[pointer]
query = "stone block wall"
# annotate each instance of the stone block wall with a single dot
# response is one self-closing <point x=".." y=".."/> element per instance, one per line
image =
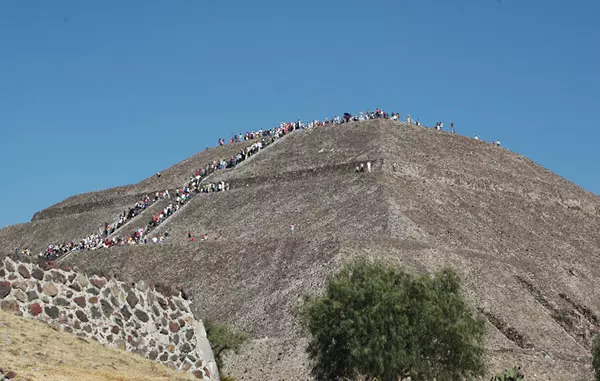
<point x="133" y="317"/>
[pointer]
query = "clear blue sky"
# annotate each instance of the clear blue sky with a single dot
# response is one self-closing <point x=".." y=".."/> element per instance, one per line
<point x="95" y="94"/>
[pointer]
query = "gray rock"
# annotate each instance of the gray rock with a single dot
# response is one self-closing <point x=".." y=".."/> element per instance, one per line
<point x="106" y="308"/>
<point x="93" y="291"/>
<point x="20" y="295"/>
<point x="32" y="295"/>
<point x="61" y="302"/>
<point x="153" y="355"/>
<point x="52" y="312"/>
<point x="81" y="316"/>
<point x="58" y="276"/>
<point x="37" y="273"/>
<point x="125" y="312"/>
<point x="189" y="334"/>
<point x="132" y="299"/>
<point x="95" y="313"/>
<point x="141" y="315"/>
<point x="185" y="348"/>
<point x="9" y="265"/>
<point x="23" y="271"/>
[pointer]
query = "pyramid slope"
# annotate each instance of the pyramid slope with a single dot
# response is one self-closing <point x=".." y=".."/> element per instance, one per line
<point x="78" y="216"/>
<point x="524" y="239"/>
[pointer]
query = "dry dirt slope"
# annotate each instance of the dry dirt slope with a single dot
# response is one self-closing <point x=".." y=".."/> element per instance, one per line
<point x="35" y="351"/>
<point x="525" y="240"/>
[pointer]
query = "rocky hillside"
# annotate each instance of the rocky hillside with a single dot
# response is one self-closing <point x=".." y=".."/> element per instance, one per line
<point x="525" y="240"/>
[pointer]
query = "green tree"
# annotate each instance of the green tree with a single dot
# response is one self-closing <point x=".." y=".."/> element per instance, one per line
<point x="375" y="321"/>
<point x="222" y="339"/>
<point x="596" y="356"/>
<point x="512" y="374"/>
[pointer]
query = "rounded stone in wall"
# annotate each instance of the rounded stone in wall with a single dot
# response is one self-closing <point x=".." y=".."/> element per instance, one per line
<point x="141" y="315"/>
<point x="20" y="295"/>
<point x="50" y="289"/>
<point x="23" y="271"/>
<point x="37" y="273"/>
<point x="81" y="316"/>
<point x="52" y="312"/>
<point x="32" y="295"/>
<point x="80" y="301"/>
<point x="5" y="288"/>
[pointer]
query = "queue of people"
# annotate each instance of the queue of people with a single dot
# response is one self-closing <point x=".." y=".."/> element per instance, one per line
<point x="195" y="185"/>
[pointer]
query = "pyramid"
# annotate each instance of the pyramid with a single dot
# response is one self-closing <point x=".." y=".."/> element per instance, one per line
<point x="524" y="240"/>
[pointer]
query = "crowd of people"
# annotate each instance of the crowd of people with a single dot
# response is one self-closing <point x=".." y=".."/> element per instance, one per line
<point x="105" y="237"/>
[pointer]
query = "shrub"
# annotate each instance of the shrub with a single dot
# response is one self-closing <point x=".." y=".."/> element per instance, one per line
<point x="512" y="374"/>
<point x="382" y="323"/>
<point x="223" y="339"/>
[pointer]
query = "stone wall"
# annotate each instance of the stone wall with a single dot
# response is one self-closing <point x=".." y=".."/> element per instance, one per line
<point x="133" y="317"/>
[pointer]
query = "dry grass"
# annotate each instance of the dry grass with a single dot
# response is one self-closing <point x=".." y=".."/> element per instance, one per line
<point x="35" y="351"/>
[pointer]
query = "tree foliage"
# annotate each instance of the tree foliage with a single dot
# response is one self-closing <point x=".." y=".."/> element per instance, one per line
<point x="375" y="321"/>
<point x="223" y="338"/>
<point x="512" y="374"/>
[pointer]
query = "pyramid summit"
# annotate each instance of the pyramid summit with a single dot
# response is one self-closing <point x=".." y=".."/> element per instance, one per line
<point x="524" y="240"/>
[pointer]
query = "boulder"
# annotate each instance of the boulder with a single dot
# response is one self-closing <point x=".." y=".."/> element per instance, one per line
<point x="174" y="327"/>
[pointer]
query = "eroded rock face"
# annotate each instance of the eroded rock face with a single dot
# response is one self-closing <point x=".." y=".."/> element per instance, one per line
<point x="111" y="312"/>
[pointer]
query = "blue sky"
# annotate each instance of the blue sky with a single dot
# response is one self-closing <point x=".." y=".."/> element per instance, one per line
<point x="100" y="94"/>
